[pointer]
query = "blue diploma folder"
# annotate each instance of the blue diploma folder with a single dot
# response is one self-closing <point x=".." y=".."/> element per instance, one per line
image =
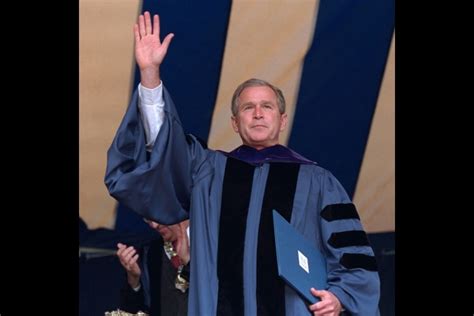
<point x="300" y="264"/>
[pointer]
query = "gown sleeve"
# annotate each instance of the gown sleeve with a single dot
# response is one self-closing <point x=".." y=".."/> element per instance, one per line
<point x="352" y="269"/>
<point x="157" y="184"/>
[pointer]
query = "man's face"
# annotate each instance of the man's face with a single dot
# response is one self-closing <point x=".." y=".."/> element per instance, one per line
<point x="258" y="120"/>
<point x="168" y="232"/>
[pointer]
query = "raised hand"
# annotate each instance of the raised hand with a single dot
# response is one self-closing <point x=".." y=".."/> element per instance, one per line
<point x="128" y="259"/>
<point x="149" y="50"/>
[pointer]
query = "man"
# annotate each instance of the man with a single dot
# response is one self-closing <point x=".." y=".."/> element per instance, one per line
<point x="158" y="285"/>
<point x="229" y="198"/>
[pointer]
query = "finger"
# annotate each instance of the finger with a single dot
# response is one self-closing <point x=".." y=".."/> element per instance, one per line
<point x="325" y="310"/>
<point x="126" y="252"/>
<point x="147" y="23"/>
<point x="167" y="41"/>
<point x="121" y="246"/>
<point x="122" y="261"/>
<point x="121" y="249"/>
<point x="317" y="293"/>
<point x="134" y="259"/>
<point x="316" y="307"/>
<point x="137" y="33"/>
<point x="183" y="232"/>
<point x="156" y="26"/>
<point x="130" y="254"/>
<point x="127" y="260"/>
<point x="120" y="255"/>
<point x="178" y="245"/>
<point x="141" y="25"/>
<point x="322" y="307"/>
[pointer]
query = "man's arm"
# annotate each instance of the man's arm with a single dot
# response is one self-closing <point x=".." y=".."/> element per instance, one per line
<point x="128" y="259"/>
<point x="149" y="54"/>
<point x="153" y="176"/>
<point x="352" y="272"/>
<point x="151" y="106"/>
<point x="132" y="297"/>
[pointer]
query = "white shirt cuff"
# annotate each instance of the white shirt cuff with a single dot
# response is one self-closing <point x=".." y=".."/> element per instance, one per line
<point x="136" y="289"/>
<point x="151" y="105"/>
<point x="151" y="97"/>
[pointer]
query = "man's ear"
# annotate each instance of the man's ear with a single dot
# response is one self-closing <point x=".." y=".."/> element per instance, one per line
<point x="284" y="122"/>
<point x="235" y="125"/>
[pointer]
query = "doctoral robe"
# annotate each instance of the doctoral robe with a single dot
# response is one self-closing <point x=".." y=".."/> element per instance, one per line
<point x="229" y="198"/>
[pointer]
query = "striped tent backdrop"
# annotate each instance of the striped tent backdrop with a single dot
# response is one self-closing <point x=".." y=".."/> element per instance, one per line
<point x="333" y="59"/>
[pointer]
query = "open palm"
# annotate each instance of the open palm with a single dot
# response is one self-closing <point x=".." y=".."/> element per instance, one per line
<point x="149" y="50"/>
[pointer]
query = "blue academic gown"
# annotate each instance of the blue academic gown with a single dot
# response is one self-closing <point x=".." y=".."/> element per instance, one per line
<point x="228" y="198"/>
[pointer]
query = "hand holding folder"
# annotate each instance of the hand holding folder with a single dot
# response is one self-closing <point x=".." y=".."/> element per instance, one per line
<point x="299" y="263"/>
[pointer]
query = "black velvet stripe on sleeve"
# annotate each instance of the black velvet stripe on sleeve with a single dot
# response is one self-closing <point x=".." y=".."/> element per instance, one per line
<point x="348" y="239"/>
<point x="279" y="194"/>
<point x="233" y="218"/>
<point x="358" y="260"/>
<point x="333" y="212"/>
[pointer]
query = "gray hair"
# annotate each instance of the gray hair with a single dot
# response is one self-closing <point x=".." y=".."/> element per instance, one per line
<point x="257" y="83"/>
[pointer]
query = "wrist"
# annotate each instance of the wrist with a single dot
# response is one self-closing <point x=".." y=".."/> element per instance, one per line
<point x="150" y="77"/>
<point x="133" y="281"/>
<point x="137" y="288"/>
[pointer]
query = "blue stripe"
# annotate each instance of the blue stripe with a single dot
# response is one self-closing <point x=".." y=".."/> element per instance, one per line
<point x="341" y="78"/>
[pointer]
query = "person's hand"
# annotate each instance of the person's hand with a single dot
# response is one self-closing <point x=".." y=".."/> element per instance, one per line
<point x="149" y="50"/>
<point x="128" y="259"/>
<point x="328" y="306"/>
<point x="177" y="235"/>
<point x="182" y="242"/>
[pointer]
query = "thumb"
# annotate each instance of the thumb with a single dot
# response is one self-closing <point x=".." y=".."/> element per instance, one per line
<point x="167" y="41"/>
<point x="318" y="293"/>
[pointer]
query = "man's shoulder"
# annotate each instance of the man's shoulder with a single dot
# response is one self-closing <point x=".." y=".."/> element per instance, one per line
<point x="191" y="137"/>
<point x="294" y="156"/>
<point x="315" y="169"/>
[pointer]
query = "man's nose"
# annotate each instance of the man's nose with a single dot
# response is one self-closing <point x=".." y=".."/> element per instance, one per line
<point x="258" y="113"/>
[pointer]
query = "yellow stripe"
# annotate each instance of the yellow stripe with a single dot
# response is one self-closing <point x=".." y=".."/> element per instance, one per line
<point x="375" y="191"/>
<point x="266" y="40"/>
<point x="105" y="78"/>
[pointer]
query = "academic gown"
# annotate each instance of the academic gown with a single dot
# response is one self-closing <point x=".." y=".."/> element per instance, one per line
<point x="229" y="198"/>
